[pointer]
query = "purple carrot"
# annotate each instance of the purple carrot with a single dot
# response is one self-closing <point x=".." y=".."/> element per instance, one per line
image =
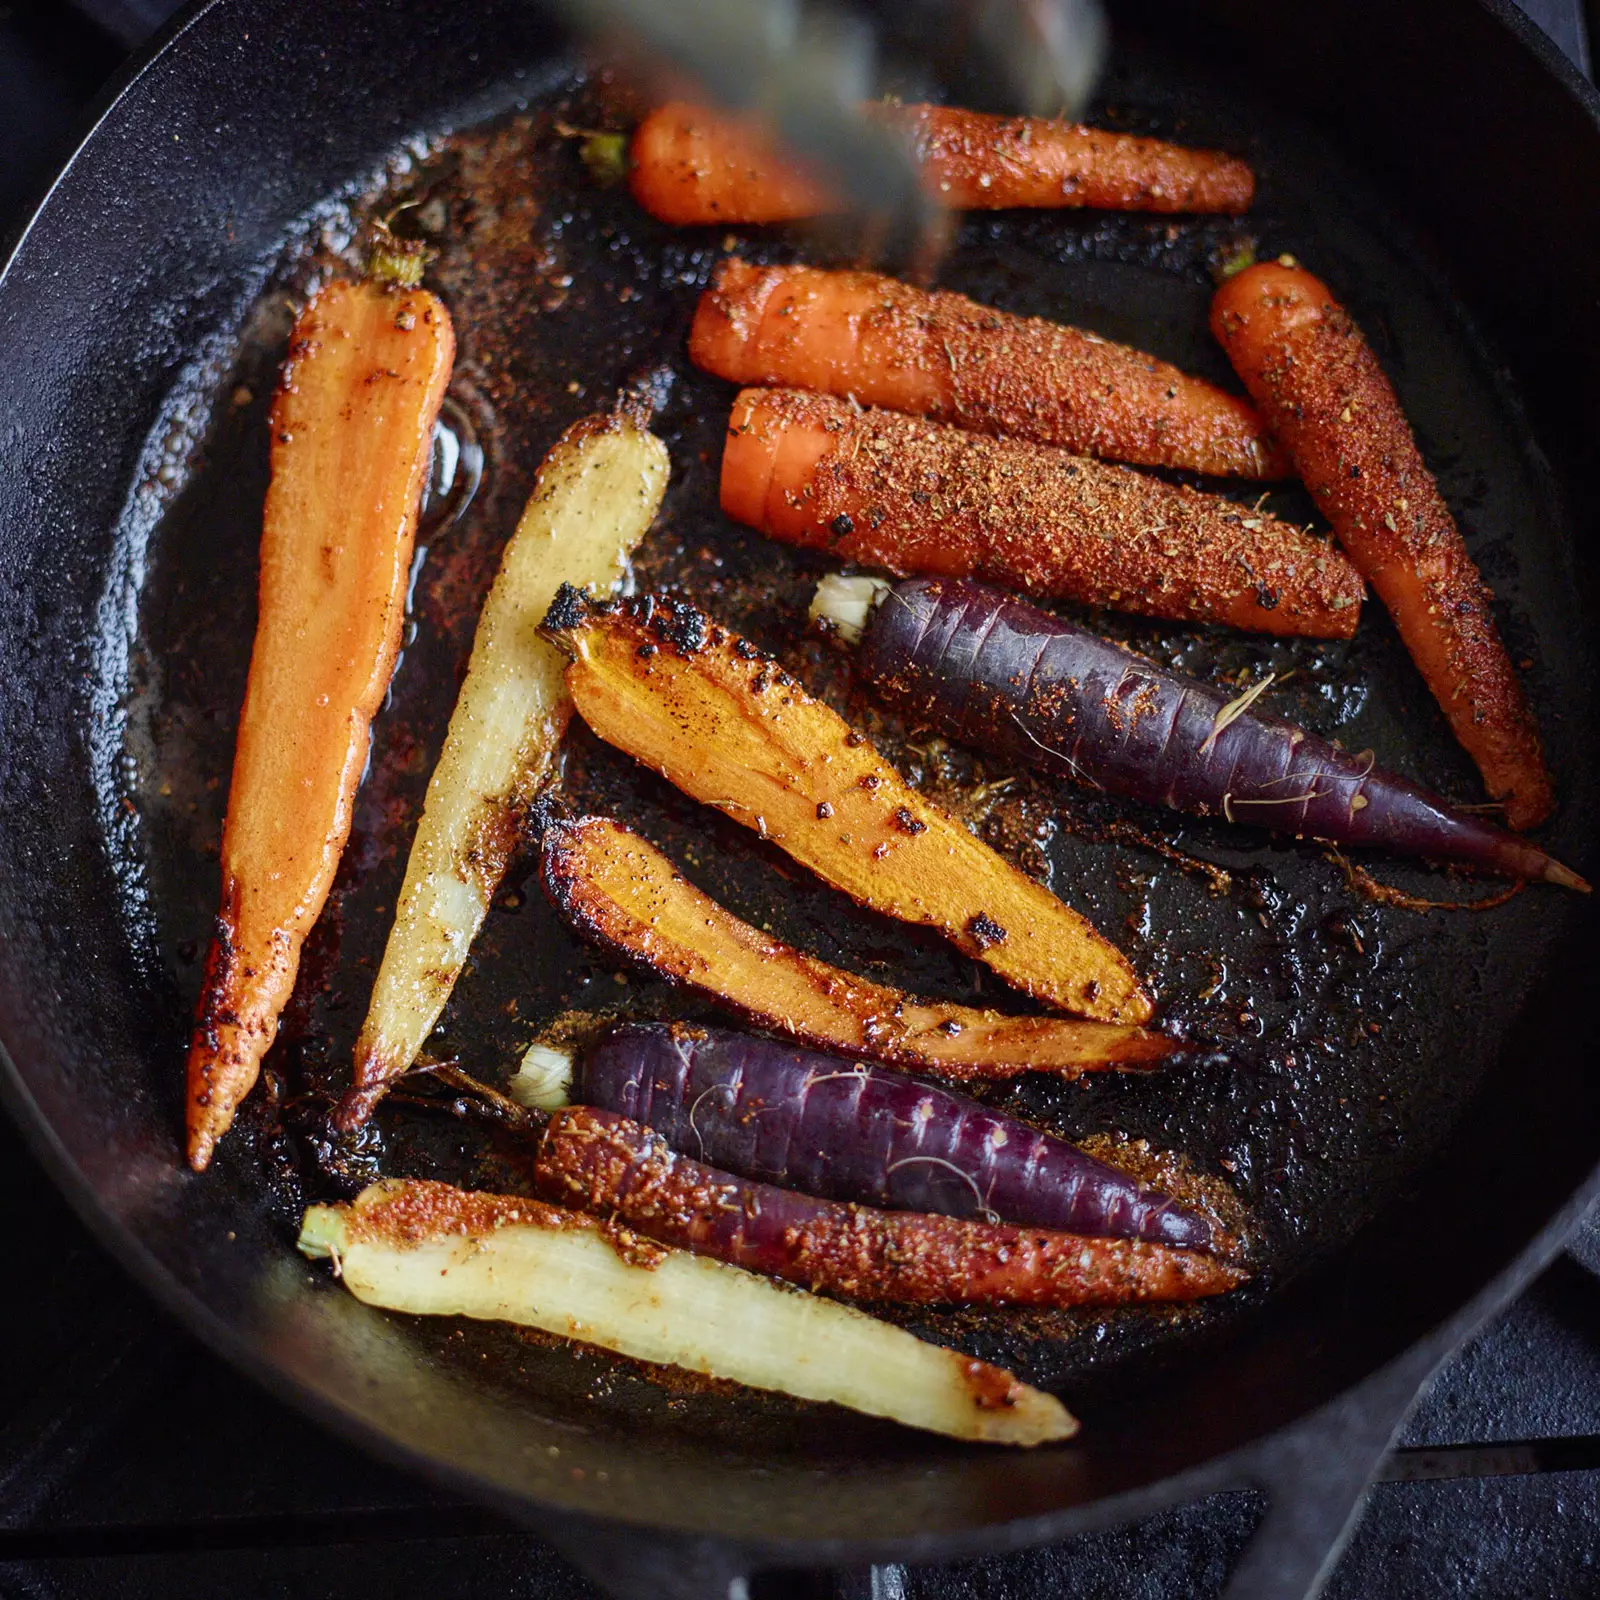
<point x="848" y="1131"/>
<point x="993" y="671"/>
<point x="618" y="1169"/>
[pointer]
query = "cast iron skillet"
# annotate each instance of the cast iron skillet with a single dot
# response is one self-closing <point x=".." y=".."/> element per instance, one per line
<point x="134" y="274"/>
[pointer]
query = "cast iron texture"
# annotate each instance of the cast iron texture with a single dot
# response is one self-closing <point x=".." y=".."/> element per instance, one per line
<point x="129" y="289"/>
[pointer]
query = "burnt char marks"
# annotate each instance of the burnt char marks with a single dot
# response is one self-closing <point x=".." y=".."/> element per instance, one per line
<point x="666" y="618"/>
<point x="676" y="622"/>
<point x="568" y="611"/>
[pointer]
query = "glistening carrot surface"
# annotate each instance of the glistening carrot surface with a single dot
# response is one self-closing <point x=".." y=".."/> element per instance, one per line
<point x="1321" y="388"/>
<point x="917" y="497"/>
<point x="690" y="165"/>
<point x="617" y="1169"/>
<point x="713" y="715"/>
<point x="619" y="890"/>
<point x="845" y="1130"/>
<point x="988" y="669"/>
<point x="941" y="355"/>
<point x="352" y="428"/>
<point x="429" y="1249"/>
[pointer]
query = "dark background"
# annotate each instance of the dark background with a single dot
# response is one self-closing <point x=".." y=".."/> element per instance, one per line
<point x="134" y="1463"/>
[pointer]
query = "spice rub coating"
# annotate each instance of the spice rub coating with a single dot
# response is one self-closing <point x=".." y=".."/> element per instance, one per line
<point x="616" y="1168"/>
<point x="844" y="1130"/>
<point x="406" y="1212"/>
<point x="941" y="355"/>
<point x="974" y="160"/>
<point x="1315" y="377"/>
<point x="690" y="165"/>
<point x="914" y="496"/>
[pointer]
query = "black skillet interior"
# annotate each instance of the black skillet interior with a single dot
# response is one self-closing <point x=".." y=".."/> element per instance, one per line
<point x="1356" y="1035"/>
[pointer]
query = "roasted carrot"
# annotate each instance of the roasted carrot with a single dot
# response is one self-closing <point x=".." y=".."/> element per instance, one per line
<point x="593" y="498"/>
<point x="690" y="165"/>
<point x="687" y="166"/>
<point x="620" y="891"/>
<point x="917" y="497"/>
<point x="352" y="428"/>
<point x="979" y="162"/>
<point x="941" y="355"/>
<point x="608" y="1165"/>
<point x="1319" y="384"/>
<point x="715" y="716"/>
<point x="848" y="1131"/>
<point x="983" y="667"/>
<point x="426" y="1248"/>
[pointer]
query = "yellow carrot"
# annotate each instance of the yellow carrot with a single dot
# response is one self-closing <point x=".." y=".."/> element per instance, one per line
<point x="596" y="494"/>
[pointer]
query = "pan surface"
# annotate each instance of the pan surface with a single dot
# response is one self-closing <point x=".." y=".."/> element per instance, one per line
<point x="1395" y="1097"/>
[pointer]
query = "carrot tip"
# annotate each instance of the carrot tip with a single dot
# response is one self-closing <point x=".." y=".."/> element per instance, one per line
<point x="357" y="1105"/>
<point x="1554" y="872"/>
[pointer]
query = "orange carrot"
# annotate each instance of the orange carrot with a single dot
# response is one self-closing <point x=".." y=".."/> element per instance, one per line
<point x="691" y="165"/>
<point x="914" y="497"/>
<point x="352" y="428"/>
<point x="1321" y="388"/>
<point x="614" y="1168"/>
<point x="944" y="356"/>
<point x="976" y="162"/>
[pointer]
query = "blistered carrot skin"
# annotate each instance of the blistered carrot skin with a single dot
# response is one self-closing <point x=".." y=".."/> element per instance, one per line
<point x="1320" y="387"/>
<point x="941" y="355"/>
<point x="352" y="429"/>
<point x="616" y="1168"/>
<point x="690" y="165"/>
<point x="917" y="497"/>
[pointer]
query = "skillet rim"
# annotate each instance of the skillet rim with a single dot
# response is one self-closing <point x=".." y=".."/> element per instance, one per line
<point x="1239" y="1465"/>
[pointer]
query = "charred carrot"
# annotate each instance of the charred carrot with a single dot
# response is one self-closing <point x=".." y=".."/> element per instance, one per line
<point x="1315" y="377"/>
<point x="615" y="1168"/>
<point x="917" y="497"/>
<point x="715" y="716"/>
<point x="690" y="165"/>
<point x="352" y="428"/>
<point x="621" y="892"/>
<point x="941" y="355"/>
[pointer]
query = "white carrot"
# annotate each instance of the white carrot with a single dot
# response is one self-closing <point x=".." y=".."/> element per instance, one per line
<point x="596" y="493"/>
<point x="433" y="1250"/>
